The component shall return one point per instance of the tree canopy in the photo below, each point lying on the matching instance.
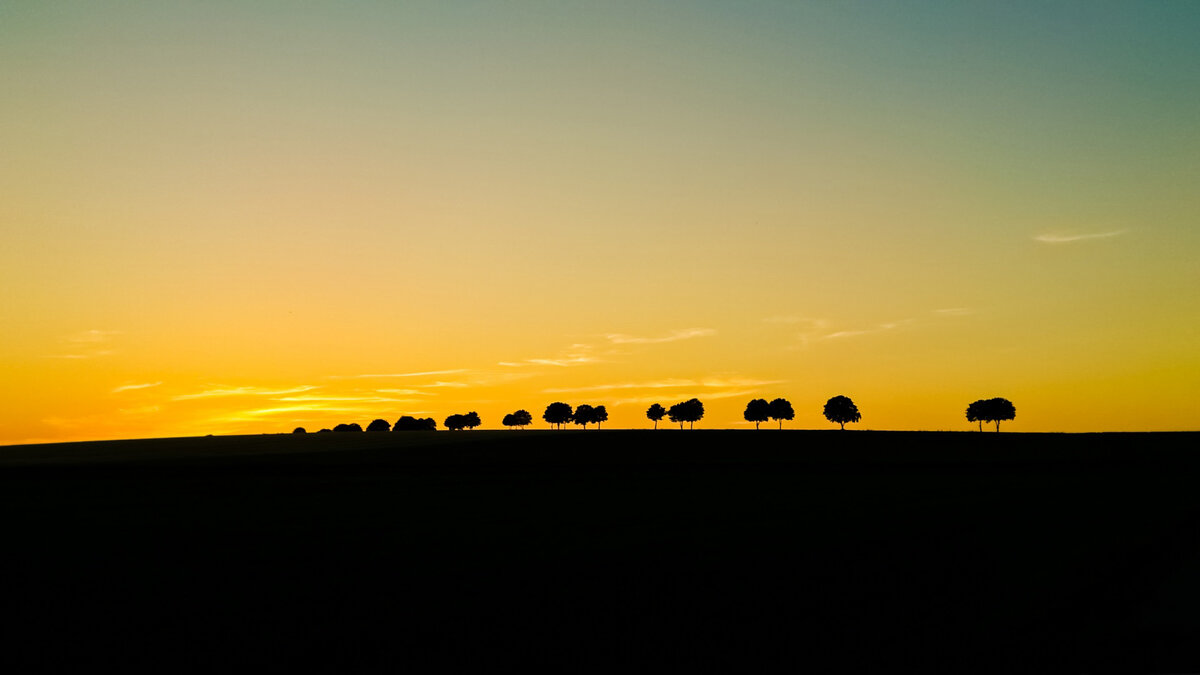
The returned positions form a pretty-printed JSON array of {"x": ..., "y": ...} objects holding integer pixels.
[
  {"x": 780, "y": 409},
  {"x": 757, "y": 411},
  {"x": 599, "y": 414},
  {"x": 840, "y": 409},
  {"x": 655, "y": 413},
  {"x": 584, "y": 415},
  {"x": 410, "y": 423},
  {"x": 520, "y": 418},
  {"x": 379, "y": 425},
  {"x": 455, "y": 422},
  {"x": 353, "y": 426},
  {"x": 991, "y": 410},
  {"x": 691, "y": 411},
  {"x": 558, "y": 414}
]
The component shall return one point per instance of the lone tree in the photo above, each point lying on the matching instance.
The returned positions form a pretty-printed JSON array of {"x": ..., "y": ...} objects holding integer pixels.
[
  {"x": 757, "y": 411},
  {"x": 691, "y": 411},
  {"x": 379, "y": 425},
  {"x": 455, "y": 422},
  {"x": 840, "y": 410},
  {"x": 655, "y": 413},
  {"x": 780, "y": 410},
  {"x": 599, "y": 414},
  {"x": 585, "y": 415},
  {"x": 991, "y": 410},
  {"x": 471, "y": 420},
  {"x": 557, "y": 414}
]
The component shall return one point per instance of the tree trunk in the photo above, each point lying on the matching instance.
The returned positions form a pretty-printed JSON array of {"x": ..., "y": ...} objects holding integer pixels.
[
  {"x": 997, "y": 426},
  {"x": 981, "y": 425},
  {"x": 843, "y": 425},
  {"x": 781, "y": 425},
  {"x": 756, "y": 426},
  {"x": 656, "y": 425}
]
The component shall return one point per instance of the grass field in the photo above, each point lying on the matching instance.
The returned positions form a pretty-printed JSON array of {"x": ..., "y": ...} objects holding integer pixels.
[{"x": 609, "y": 550}]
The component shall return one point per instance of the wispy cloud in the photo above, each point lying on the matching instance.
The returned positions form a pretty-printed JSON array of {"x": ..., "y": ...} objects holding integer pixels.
[
  {"x": 242, "y": 391},
  {"x": 674, "y": 336},
  {"x": 684, "y": 395},
  {"x": 91, "y": 336},
  {"x": 575, "y": 355},
  {"x": 1071, "y": 238},
  {"x": 708, "y": 383},
  {"x": 89, "y": 355},
  {"x": 883, "y": 327},
  {"x": 131, "y": 387},
  {"x": 426, "y": 373},
  {"x": 346, "y": 399}
]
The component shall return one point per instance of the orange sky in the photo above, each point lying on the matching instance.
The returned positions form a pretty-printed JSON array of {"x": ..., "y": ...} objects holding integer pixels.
[{"x": 237, "y": 220}]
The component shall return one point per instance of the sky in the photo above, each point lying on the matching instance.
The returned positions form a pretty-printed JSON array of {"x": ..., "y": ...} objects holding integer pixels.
[{"x": 228, "y": 217}]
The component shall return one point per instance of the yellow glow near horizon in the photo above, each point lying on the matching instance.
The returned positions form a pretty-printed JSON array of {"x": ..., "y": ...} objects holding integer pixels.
[{"x": 223, "y": 220}]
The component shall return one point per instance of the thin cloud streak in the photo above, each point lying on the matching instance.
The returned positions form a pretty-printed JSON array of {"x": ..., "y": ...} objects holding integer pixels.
[
  {"x": 426, "y": 373},
  {"x": 242, "y": 391},
  {"x": 675, "y": 336},
  {"x": 706, "y": 396},
  {"x": 92, "y": 336},
  {"x": 883, "y": 327},
  {"x": 1071, "y": 238},
  {"x": 712, "y": 383},
  {"x": 132, "y": 387}
]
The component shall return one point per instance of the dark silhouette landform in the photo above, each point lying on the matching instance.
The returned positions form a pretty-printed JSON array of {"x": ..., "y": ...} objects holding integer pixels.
[{"x": 616, "y": 551}]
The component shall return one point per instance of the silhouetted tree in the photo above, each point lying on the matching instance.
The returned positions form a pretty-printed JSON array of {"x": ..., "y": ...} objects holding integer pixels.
[
  {"x": 840, "y": 410},
  {"x": 410, "y": 423},
  {"x": 558, "y": 414},
  {"x": 584, "y": 415},
  {"x": 757, "y": 411},
  {"x": 781, "y": 409},
  {"x": 299, "y": 430},
  {"x": 675, "y": 414},
  {"x": 599, "y": 414},
  {"x": 379, "y": 425},
  {"x": 471, "y": 420},
  {"x": 655, "y": 413},
  {"x": 455, "y": 422},
  {"x": 353, "y": 426},
  {"x": 522, "y": 418},
  {"x": 508, "y": 420},
  {"x": 992, "y": 410},
  {"x": 691, "y": 411},
  {"x": 977, "y": 412},
  {"x": 325, "y": 431}
]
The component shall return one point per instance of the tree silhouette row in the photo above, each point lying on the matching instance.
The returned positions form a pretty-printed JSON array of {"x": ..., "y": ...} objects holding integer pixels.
[{"x": 840, "y": 410}]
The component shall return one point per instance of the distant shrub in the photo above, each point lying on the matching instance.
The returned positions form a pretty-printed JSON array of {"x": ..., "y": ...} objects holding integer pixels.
[
  {"x": 410, "y": 423},
  {"x": 353, "y": 426},
  {"x": 299, "y": 430},
  {"x": 379, "y": 425}
]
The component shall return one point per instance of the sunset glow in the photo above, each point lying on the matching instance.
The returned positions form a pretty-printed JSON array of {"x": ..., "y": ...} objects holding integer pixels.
[{"x": 229, "y": 218}]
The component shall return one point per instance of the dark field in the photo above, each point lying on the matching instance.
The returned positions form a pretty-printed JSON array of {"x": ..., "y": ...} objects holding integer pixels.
[{"x": 608, "y": 550}]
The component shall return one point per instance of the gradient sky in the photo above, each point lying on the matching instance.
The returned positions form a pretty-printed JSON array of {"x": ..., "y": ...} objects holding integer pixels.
[{"x": 230, "y": 217}]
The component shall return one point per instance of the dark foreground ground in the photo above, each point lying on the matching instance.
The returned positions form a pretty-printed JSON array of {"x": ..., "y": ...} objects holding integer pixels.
[{"x": 606, "y": 550}]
